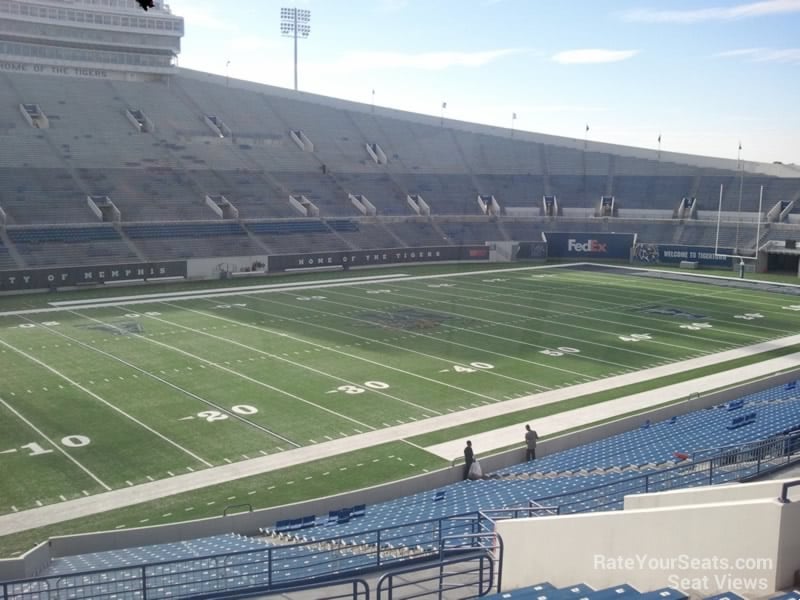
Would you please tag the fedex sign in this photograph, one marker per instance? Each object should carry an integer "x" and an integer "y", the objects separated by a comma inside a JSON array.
[
  {"x": 589, "y": 245},
  {"x": 592, "y": 246}
]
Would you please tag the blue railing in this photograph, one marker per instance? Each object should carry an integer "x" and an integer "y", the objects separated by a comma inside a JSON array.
[
  {"x": 271, "y": 568},
  {"x": 725, "y": 464}
]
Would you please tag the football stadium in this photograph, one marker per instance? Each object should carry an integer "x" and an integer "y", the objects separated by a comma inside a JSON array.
[{"x": 258, "y": 342}]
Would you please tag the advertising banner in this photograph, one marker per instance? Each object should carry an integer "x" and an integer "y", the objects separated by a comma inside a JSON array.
[
  {"x": 597, "y": 246},
  {"x": 55, "y": 277},
  {"x": 666, "y": 254},
  {"x": 361, "y": 258}
]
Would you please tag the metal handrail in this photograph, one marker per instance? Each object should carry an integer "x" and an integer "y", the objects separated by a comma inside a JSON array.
[
  {"x": 784, "y": 497},
  {"x": 387, "y": 579},
  {"x": 744, "y": 445},
  {"x": 794, "y": 436}
]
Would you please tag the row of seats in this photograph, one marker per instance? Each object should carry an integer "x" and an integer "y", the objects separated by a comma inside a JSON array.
[{"x": 415, "y": 525}]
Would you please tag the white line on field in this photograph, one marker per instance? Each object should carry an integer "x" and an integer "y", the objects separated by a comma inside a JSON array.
[
  {"x": 614, "y": 307},
  {"x": 247, "y": 378},
  {"x": 343, "y": 353},
  {"x": 280, "y": 358},
  {"x": 571, "y": 325},
  {"x": 105, "y": 402},
  {"x": 52, "y": 443},
  {"x": 386, "y": 343},
  {"x": 205, "y": 401}
]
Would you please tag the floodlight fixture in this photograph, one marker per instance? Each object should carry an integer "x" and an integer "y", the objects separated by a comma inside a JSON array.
[{"x": 295, "y": 22}]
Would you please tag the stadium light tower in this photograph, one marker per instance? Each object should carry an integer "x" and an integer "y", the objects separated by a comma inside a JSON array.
[{"x": 295, "y": 22}]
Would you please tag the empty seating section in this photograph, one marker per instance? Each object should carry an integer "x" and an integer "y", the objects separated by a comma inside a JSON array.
[
  {"x": 7, "y": 261},
  {"x": 418, "y": 232},
  {"x": 344, "y": 541},
  {"x": 321, "y": 190},
  {"x": 70, "y": 246},
  {"x": 371, "y": 235},
  {"x": 39, "y": 196},
  {"x": 337, "y": 142},
  {"x": 513, "y": 190},
  {"x": 387, "y": 197},
  {"x": 578, "y": 190},
  {"x": 292, "y": 237},
  {"x": 469, "y": 232},
  {"x": 220, "y": 544},
  {"x": 730, "y": 236},
  {"x": 525, "y": 231},
  {"x": 152, "y": 194},
  {"x": 445, "y": 194},
  {"x": 633, "y": 191},
  {"x": 246, "y": 113},
  {"x": 422, "y": 148},
  {"x": 185, "y": 240},
  {"x": 248, "y": 191},
  {"x": 161, "y": 176}
]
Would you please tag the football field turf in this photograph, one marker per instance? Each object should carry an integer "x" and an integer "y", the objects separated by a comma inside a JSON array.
[{"x": 99, "y": 398}]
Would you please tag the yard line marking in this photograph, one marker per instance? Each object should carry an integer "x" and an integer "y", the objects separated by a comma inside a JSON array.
[
  {"x": 243, "y": 376},
  {"x": 385, "y": 343},
  {"x": 52, "y": 443},
  {"x": 512, "y": 326},
  {"x": 107, "y": 403},
  {"x": 614, "y": 307},
  {"x": 754, "y": 296},
  {"x": 300, "y": 365},
  {"x": 162, "y": 381},
  {"x": 493, "y": 323},
  {"x": 356, "y": 357}
]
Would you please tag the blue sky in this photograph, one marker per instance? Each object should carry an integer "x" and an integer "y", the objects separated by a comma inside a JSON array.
[{"x": 705, "y": 74}]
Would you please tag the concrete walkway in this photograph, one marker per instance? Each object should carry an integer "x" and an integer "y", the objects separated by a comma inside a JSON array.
[{"x": 72, "y": 509}]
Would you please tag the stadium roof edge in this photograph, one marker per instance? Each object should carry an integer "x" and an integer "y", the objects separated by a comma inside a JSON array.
[{"x": 771, "y": 169}]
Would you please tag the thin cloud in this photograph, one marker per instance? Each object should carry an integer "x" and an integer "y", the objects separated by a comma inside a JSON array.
[
  {"x": 589, "y": 56},
  {"x": 201, "y": 16},
  {"x": 760, "y": 55},
  {"x": 564, "y": 108},
  {"x": 428, "y": 61},
  {"x": 716, "y": 13}
]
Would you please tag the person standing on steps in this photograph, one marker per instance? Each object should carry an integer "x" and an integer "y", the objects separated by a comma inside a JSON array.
[
  {"x": 469, "y": 458},
  {"x": 530, "y": 441}
]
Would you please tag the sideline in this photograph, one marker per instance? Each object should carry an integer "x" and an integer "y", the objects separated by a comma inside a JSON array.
[{"x": 266, "y": 288}]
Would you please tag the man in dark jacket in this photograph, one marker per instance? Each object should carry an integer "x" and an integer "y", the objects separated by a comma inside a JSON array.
[
  {"x": 469, "y": 458},
  {"x": 530, "y": 441}
]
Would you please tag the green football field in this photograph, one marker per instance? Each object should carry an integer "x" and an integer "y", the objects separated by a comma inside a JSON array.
[{"x": 94, "y": 398}]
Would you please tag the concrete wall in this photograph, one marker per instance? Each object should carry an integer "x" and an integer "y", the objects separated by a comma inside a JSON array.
[
  {"x": 721, "y": 493},
  {"x": 748, "y": 546},
  {"x": 248, "y": 523}
]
